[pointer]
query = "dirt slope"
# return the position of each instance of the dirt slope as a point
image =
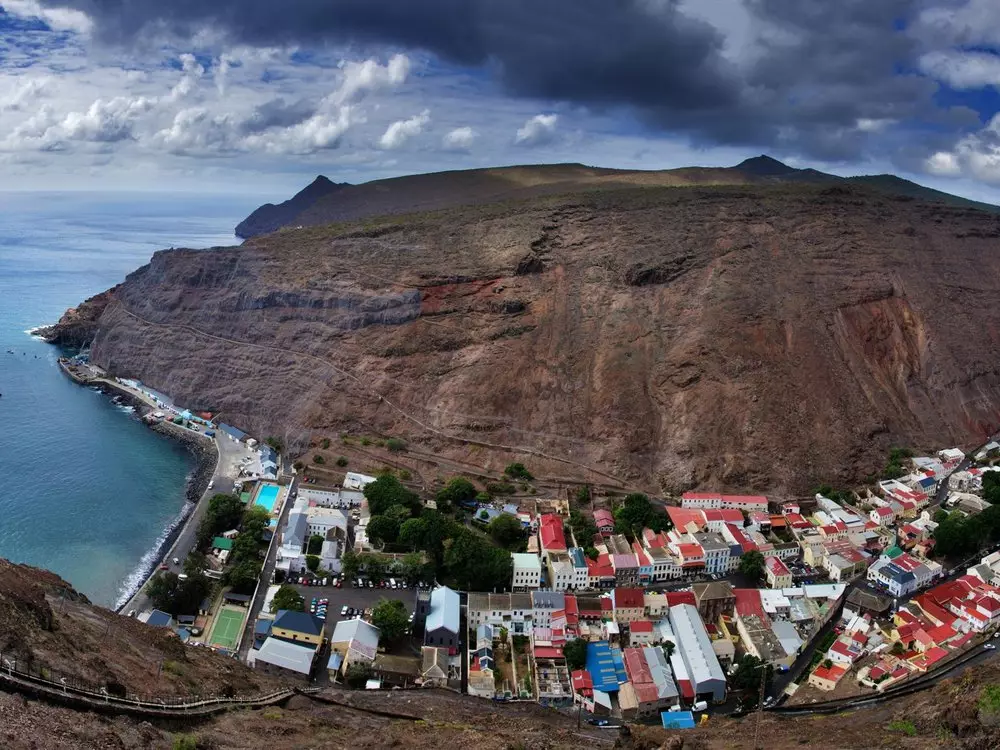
(765, 337)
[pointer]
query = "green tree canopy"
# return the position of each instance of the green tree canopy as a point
(508, 532)
(287, 597)
(576, 653)
(312, 562)
(224, 512)
(476, 565)
(242, 576)
(177, 596)
(350, 564)
(752, 565)
(415, 568)
(412, 533)
(637, 513)
(387, 491)
(748, 674)
(457, 491)
(383, 529)
(583, 527)
(517, 471)
(391, 618)
(315, 544)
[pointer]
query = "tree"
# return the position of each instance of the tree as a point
(246, 547)
(458, 490)
(991, 487)
(752, 565)
(484, 515)
(507, 531)
(414, 567)
(175, 595)
(476, 565)
(517, 471)
(576, 653)
(342, 461)
(635, 513)
(350, 564)
(223, 513)
(315, 544)
(357, 674)
(387, 491)
(583, 527)
(318, 460)
(583, 494)
(287, 597)
(375, 566)
(243, 576)
(391, 618)
(412, 533)
(275, 443)
(592, 553)
(324, 443)
(383, 530)
(400, 513)
(748, 674)
(395, 445)
(195, 563)
(668, 648)
(312, 562)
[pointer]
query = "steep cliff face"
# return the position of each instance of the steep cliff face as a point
(271, 217)
(764, 337)
(78, 325)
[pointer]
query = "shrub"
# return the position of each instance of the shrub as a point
(500, 488)
(324, 443)
(395, 445)
(318, 459)
(405, 475)
(185, 742)
(903, 725)
(342, 461)
(298, 466)
(517, 471)
(365, 441)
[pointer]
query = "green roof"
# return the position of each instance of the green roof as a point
(244, 497)
(220, 542)
(893, 552)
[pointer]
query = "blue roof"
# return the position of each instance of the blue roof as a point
(158, 619)
(897, 574)
(927, 482)
(232, 431)
(606, 666)
(677, 720)
(579, 559)
(334, 662)
(263, 627)
(298, 622)
(444, 610)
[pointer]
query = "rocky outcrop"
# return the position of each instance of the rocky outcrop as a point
(269, 217)
(763, 337)
(78, 325)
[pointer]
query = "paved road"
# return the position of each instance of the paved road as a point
(226, 470)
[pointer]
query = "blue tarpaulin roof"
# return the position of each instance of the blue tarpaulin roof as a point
(677, 720)
(606, 666)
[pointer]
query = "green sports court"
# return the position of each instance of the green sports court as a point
(228, 624)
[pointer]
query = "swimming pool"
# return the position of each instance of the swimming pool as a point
(266, 496)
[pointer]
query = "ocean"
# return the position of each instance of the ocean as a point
(85, 489)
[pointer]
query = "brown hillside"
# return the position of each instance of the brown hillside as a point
(764, 337)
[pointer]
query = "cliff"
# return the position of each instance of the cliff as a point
(269, 217)
(77, 326)
(765, 337)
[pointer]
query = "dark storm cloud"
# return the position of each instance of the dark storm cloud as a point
(820, 68)
(277, 113)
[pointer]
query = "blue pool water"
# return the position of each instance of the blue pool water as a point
(90, 491)
(266, 496)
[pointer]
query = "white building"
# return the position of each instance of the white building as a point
(581, 575)
(717, 552)
(290, 556)
(561, 573)
(527, 571)
(694, 647)
(321, 521)
(353, 481)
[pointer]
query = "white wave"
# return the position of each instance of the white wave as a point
(33, 332)
(147, 564)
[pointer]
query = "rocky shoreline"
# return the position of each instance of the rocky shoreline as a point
(206, 457)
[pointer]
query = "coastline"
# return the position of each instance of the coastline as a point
(206, 457)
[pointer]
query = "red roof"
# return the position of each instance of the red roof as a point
(686, 690)
(603, 517)
(942, 633)
(883, 511)
(726, 515)
(641, 626)
(700, 496)
(833, 673)
(691, 550)
(551, 532)
(681, 517)
(797, 521)
(629, 598)
(748, 603)
(934, 654)
(640, 555)
(776, 566)
(571, 606)
(681, 597)
(583, 683)
(548, 652)
(988, 604)
(600, 568)
(742, 539)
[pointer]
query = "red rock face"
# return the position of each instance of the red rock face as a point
(765, 338)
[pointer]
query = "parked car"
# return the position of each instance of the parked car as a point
(989, 647)
(343, 611)
(598, 722)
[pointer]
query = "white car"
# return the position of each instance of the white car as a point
(989, 647)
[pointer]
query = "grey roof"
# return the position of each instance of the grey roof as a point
(694, 646)
(232, 431)
(444, 610)
(356, 630)
(548, 599)
(286, 655)
(300, 622)
(789, 637)
(295, 531)
(660, 671)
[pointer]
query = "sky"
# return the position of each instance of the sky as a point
(259, 96)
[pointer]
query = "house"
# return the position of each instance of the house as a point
(322, 521)
(826, 678)
(283, 659)
(640, 633)
(512, 611)
(356, 641)
(650, 688)
(716, 551)
(297, 627)
(434, 666)
(777, 573)
(862, 602)
(527, 571)
(883, 515)
(290, 556)
(655, 605)
(551, 535)
(441, 628)
(544, 604)
(644, 562)
(157, 618)
(629, 604)
(600, 572)
(626, 568)
(561, 573)
(714, 599)
(397, 670)
(356, 482)
(605, 522)
(701, 500)
(581, 576)
(703, 674)
(222, 548)
(686, 519)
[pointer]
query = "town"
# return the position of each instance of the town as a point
(620, 607)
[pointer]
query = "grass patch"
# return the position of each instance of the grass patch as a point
(172, 667)
(905, 726)
(272, 714)
(185, 742)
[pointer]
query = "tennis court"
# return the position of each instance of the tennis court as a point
(226, 631)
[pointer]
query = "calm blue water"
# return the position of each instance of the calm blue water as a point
(85, 489)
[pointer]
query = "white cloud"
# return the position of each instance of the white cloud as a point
(537, 131)
(24, 92)
(362, 77)
(943, 164)
(459, 139)
(402, 130)
(867, 125)
(962, 69)
(976, 155)
(59, 19)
